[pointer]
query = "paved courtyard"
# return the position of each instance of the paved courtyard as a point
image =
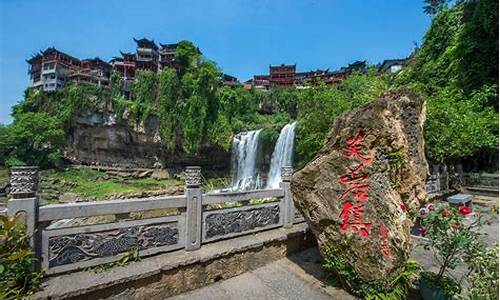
(293, 278)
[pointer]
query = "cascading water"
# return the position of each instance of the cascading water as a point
(244, 161)
(282, 155)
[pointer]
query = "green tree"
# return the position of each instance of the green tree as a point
(168, 108)
(236, 102)
(477, 49)
(207, 83)
(116, 85)
(145, 87)
(65, 103)
(220, 132)
(435, 65)
(458, 126)
(193, 125)
(456, 70)
(318, 107)
(4, 143)
(432, 7)
(186, 56)
(34, 139)
(286, 101)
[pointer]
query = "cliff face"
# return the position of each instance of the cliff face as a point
(100, 137)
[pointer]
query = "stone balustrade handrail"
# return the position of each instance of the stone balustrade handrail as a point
(215, 198)
(63, 249)
(109, 207)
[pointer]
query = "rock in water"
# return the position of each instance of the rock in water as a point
(359, 192)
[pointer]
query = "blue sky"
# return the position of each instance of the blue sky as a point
(242, 37)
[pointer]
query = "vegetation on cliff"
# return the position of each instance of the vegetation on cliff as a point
(456, 69)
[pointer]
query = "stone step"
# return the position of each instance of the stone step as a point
(485, 200)
(482, 190)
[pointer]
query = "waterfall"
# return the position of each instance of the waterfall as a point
(282, 155)
(244, 161)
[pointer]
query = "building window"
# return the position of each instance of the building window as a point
(48, 66)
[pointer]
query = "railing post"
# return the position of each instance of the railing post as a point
(24, 184)
(194, 220)
(289, 213)
(444, 180)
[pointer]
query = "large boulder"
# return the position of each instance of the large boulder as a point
(360, 191)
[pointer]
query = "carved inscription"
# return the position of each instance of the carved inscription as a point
(219, 224)
(356, 182)
(79, 247)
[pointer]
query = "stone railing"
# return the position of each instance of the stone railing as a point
(437, 183)
(481, 180)
(200, 218)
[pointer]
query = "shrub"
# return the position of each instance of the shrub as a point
(16, 259)
(33, 139)
(483, 279)
(394, 288)
(450, 238)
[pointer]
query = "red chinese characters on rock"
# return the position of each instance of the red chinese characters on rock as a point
(352, 214)
(384, 246)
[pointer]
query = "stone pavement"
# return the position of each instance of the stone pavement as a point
(293, 278)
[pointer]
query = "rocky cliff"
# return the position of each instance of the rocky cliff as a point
(101, 138)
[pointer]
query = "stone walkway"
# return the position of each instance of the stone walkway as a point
(294, 278)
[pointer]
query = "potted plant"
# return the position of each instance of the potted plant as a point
(449, 234)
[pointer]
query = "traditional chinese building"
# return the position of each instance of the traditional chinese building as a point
(319, 76)
(259, 82)
(125, 67)
(358, 66)
(147, 56)
(391, 65)
(286, 76)
(167, 56)
(282, 76)
(93, 70)
(51, 69)
(231, 81)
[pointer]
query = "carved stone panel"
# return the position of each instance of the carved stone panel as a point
(193, 176)
(23, 181)
(432, 184)
(245, 219)
(74, 248)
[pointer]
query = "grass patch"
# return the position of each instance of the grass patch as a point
(4, 179)
(92, 183)
(216, 183)
(4, 175)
